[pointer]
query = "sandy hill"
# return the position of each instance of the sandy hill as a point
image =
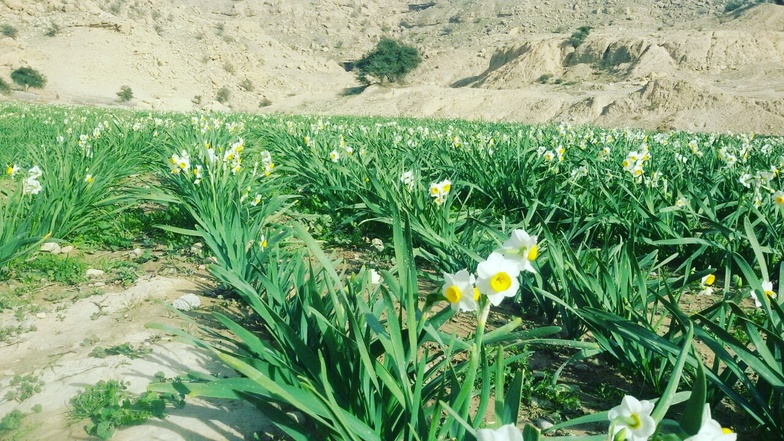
(662, 64)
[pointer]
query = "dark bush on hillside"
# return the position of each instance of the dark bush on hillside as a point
(5, 88)
(28, 77)
(9, 31)
(390, 61)
(579, 36)
(125, 94)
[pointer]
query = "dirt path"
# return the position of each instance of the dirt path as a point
(58, 352)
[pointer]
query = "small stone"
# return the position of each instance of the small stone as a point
(92, 272)
(99, 284)
(196, 248)
(137, 252)
(187, 302)
(67, 250)
(543, 423)
(377, 244)
(51, 247)
(202, 267)
(41, 315)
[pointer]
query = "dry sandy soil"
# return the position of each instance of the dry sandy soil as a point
(653, 64)
(56, 351)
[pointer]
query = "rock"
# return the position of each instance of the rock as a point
(196, 248)
(51, 247)
(41, 315)
(187, 302)
(137, 252)
(92, 272)
(543, 424)
(67, 249)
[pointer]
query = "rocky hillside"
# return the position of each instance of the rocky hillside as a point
(651, 63)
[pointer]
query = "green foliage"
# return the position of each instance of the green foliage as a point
(28, 77)
(11, 421)
(125, 349)
(125, 94)
(578, 37)
(388, 61)
(9, 30)
(23, 387)
(109, 405)
(52, 268)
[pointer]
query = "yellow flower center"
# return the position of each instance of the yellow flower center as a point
(476, 293)
(500, 282)
(779, 199)
(726, 430)
(770, 294)
(434, 191)
(453, 294)
(9, 170)
(636, 423)
(533, 252)
(447, 187)
(709, 279)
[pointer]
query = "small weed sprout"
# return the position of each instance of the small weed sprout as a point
(544, 78)
(125, 94)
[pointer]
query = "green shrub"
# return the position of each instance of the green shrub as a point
(28, 77)
(9, 31)
(5, 88)
(125, 94)
(53, 30)
(579, 36)
(223, 95)
(389, 61)
(247, 85)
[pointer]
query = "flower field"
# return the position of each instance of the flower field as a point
(607, 237)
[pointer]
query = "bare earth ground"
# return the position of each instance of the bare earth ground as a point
(59, 353)
(652, 64)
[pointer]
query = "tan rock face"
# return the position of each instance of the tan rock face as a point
(177, 54)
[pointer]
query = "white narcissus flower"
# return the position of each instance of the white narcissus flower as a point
(31, 186)
(634, 416)
(508, 432)
(12, 170)
(711, 430)
(375, 277)
(706, 284)
(778, 197)
(497, 278)
(334, 156)
(35, 172)
(459, 291)
(522, 248)
(767, 289)
(407, 178)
